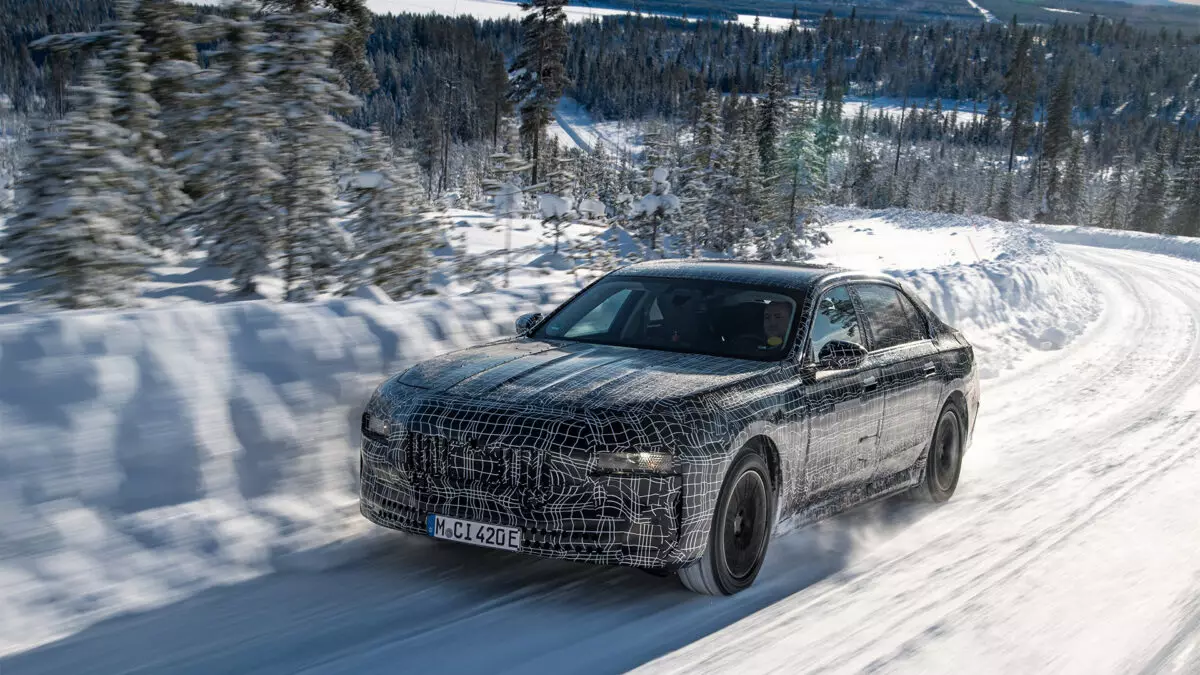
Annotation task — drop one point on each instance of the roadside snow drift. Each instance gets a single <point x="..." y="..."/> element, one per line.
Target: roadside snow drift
<point x="147" y="455"/>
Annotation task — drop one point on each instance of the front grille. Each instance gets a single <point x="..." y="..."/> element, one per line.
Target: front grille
<point x="468" y="460"/>
<point x="482" y="443"/>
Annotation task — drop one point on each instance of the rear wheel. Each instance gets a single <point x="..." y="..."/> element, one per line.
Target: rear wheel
<point x="739" y="533"/>
<point x="944" y="459"/>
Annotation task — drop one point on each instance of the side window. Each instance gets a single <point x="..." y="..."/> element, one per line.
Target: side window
<point x="915" y="318"/>
<point x="835" y="319"/>
<point x="600" y="319"/>
<point x="887" y="321"/>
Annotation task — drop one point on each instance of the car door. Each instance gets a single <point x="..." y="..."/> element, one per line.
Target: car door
<point x="845" y="405"/>
<point x="906" y="358"/>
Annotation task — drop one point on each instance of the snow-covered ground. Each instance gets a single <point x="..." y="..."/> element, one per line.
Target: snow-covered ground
<point x="225" y="526"/>
<point x="574" y="126"/>
<point x="152" y="458"/>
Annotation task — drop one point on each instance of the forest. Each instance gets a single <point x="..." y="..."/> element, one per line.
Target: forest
<point x="743" y="134"/>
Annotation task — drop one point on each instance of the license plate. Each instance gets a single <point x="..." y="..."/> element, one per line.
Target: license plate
<point x="467" y="532"/>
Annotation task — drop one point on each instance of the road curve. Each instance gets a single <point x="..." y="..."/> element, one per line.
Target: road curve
<point x="1072" y="546"/>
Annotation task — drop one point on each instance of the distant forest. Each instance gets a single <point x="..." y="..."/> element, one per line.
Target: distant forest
<point x="1125" y="95"/>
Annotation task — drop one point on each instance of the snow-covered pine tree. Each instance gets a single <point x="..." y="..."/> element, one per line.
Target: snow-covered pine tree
<point x="829" y="129"/>
<point x="1112" y="209"/>
<point x="748" y="189"/>
<point x="600" y="178"/>
<point x="393" y="227"/>
<point x="13" y="132"/>
<point x="654" y="214"/>
<point x="1185" y="214"/>
<point x="238" y="216"/>
<point x="557" y="205"/>
<point x="772" y="116"/>
<point x="1149" y="207"/>
<point x="1057" y="138"/>
<point x="69" y="230"/>
<point x="171" y="61"/>
<point x="508" y="198"/>
<point x="796" y="223"/>
<point x="160" y="197"/>
<point x="693" y="214"/>
<point x="1004" y="201"/>
<point x="1069" y="203"/>
<point x="540" y="72"/>
<point x="307" y="89"/>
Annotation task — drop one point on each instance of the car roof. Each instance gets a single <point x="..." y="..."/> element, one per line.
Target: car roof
<point x="793" y="275"/>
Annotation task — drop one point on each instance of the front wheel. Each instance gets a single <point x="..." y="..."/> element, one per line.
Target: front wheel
<point x="943" y="460"/>
<point x="739" y="533"/>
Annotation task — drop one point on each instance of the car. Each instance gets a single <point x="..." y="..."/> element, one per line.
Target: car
<point x="672" y="415"/>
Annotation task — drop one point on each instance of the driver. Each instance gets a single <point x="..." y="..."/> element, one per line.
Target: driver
<point x="775" y="323"/>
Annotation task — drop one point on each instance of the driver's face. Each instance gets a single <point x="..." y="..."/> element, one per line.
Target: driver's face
<point x="775" y="320"/>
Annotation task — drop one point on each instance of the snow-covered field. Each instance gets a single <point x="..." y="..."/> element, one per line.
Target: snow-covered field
<point x="152" y="457"/>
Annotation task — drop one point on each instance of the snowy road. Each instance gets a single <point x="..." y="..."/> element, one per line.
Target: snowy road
<point x="1072" y="546"/>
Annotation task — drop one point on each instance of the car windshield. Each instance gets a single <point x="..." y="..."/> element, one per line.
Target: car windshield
<point x="699" y="316"/>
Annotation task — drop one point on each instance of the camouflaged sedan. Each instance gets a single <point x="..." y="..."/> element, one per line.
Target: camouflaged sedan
<point x="672" y="414"/>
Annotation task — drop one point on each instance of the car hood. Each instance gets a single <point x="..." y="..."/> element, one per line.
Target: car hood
<point x="572" y="374"/>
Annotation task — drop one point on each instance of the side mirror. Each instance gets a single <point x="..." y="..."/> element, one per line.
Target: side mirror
<point x="839" y="355"/>
<point x="526" y="322"/>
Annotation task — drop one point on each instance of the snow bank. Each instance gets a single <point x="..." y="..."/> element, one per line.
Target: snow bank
<point x="1018" y="295"/>
<point x="1179" y="247"/>
<point x="147" y="455"/>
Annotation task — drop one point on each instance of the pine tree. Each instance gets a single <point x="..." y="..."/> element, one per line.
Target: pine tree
<point x="171" y="62"/>
<point x="771" y="118"/>
<point x="828" y="130"/>
<point x="693" y="204"/>
<point x="392" y="227"/>
<point x="1004" y="202"/>
<point x="794" y="214"/>
<point x="707" y="136"/>
<point x="746" y="184"/>
<point x="1069" y="205"/>
<point x="70" y="227"/>
<point x="1057" y="137"/>
<point x="238" y="217"/>
<point x="157" y="196"/>
<point x="1111" y="212"/>
<point x="1149" y="208"/>
<point x="160" y="197"/>
<point x="540" y="70"/>
<point x="654" y="215"/>
<point x="1021" y="90"/>
<point x="307" y="90"/>
<point x="1185" y="215"/>
<point x="599" y="177"/>
<point x="350" y="49"/>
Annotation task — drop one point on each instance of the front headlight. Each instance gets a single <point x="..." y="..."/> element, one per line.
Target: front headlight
<point x="374" y="425"/>
<point x="625" y="462"/>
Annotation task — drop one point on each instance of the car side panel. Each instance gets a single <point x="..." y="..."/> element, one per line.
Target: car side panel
<point x="912" y="388"/>
<point x="845" y="417"/>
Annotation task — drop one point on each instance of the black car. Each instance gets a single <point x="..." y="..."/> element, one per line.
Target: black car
<point x="670" y="415"/>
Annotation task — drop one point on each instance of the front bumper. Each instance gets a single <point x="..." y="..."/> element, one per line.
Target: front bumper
<point x="630" y="520"/>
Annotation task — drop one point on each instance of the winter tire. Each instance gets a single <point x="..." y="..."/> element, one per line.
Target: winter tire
<point x="943" y="462"/>
<point x="739" y="533"/>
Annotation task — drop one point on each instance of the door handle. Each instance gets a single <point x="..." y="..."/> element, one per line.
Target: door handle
<point x="930" y="369"/>
<point x="870" y="383"/>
